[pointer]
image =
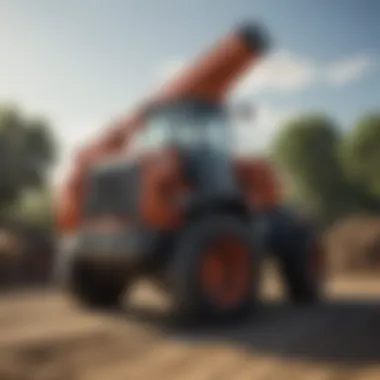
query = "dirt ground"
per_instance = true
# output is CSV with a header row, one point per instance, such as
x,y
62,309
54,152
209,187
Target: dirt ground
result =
x,y
45,337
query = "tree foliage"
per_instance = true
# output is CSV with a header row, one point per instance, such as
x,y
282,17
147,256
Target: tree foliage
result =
x,y
361,155
331,173
33,208
307,148
27,152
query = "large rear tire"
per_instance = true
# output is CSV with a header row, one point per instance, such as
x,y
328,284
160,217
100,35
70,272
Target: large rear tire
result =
x,y
214,270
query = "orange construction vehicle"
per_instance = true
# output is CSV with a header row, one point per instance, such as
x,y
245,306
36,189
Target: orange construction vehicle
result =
x,y
162,195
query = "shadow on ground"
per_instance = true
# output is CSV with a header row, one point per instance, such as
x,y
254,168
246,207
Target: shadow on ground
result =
x,y
338,332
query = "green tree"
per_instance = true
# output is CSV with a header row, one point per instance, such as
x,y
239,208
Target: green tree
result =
x,y
27,152
307,150
360,156
33,208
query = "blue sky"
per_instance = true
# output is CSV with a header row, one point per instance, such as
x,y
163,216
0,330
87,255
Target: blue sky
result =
x,y
84,62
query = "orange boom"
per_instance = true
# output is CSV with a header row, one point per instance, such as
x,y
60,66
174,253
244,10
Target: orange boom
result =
x,y
161,194
209,78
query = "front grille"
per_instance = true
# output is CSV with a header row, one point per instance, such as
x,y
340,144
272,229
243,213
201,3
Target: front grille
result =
x,y
106,194
112,190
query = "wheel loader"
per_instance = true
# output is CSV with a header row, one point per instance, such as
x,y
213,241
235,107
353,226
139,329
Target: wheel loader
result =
x,y
161,195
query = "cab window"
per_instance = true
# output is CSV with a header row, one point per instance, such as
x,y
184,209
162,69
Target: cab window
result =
x,y
156,134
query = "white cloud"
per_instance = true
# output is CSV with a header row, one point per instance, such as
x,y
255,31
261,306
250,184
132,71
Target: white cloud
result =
x,y
349,70
280,71
284,71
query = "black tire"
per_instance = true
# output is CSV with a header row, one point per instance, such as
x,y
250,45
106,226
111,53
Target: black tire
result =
x,y
302,276
92,287
191,302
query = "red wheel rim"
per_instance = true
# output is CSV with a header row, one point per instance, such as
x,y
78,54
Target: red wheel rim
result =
x,y
226,269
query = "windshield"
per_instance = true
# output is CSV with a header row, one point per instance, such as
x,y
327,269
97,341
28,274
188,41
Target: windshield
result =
x,y
188,127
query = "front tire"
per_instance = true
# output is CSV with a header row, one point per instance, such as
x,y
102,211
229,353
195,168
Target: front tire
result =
x,y
92,287
214,270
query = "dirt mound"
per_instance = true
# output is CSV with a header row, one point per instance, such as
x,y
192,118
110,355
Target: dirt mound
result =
x,y
353,246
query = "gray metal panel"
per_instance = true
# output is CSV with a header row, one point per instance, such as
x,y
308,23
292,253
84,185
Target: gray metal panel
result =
x,y
113,188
